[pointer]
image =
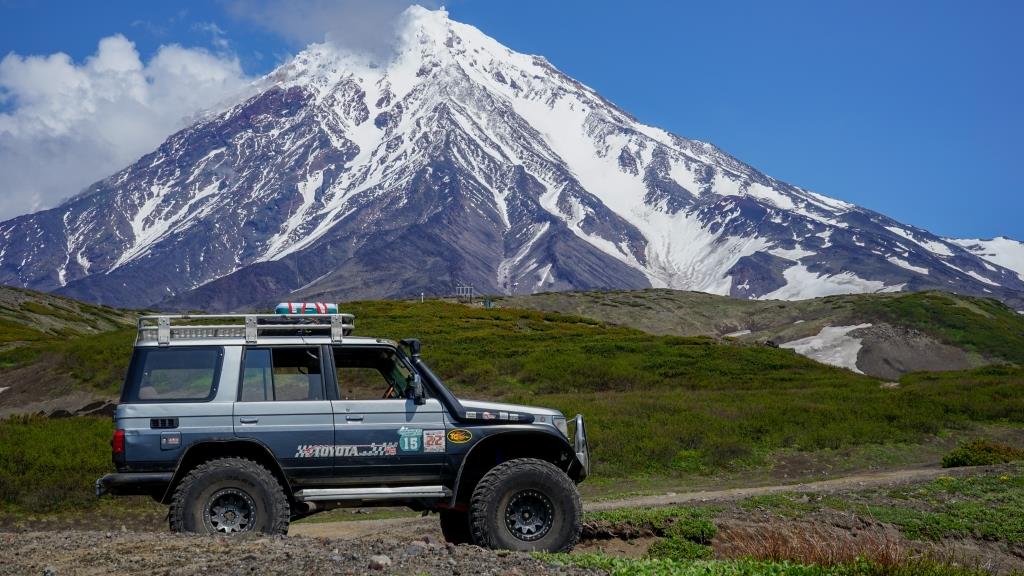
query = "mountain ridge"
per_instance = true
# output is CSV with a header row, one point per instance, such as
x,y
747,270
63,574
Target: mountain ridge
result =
x,y
459,161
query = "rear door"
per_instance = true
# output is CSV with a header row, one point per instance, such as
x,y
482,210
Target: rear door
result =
x,y
167,403
282,404
381,436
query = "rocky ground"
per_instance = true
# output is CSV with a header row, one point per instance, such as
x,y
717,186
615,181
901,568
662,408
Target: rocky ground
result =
x,y
153,553
819,522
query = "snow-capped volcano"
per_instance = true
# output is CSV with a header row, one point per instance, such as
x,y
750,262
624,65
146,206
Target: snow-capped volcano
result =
x,y
456,161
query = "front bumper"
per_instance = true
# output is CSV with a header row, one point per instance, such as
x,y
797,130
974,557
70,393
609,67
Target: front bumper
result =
x,y
581,446
133,483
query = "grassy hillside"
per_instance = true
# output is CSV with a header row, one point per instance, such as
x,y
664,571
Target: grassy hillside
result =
x,y
658,406
27,316
985,329
33,325
983,326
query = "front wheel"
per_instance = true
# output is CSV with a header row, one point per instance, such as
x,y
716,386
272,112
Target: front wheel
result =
x,y
228,496
526,504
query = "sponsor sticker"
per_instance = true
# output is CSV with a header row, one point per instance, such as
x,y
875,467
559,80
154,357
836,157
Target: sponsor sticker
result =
x,y
410,439
433,441
459,436
329,451
487,415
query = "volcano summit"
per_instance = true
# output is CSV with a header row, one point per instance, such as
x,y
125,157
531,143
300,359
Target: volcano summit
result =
x,y
458,160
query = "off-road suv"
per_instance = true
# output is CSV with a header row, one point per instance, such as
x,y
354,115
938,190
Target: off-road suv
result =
x,y
244,423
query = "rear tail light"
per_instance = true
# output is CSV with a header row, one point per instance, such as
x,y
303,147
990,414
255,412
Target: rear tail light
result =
x,y
117,442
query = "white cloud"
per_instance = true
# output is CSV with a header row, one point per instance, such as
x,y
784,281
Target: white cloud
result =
x,y
69,124
360,25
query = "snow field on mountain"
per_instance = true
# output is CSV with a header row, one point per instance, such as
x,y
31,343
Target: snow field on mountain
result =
x,y
833,345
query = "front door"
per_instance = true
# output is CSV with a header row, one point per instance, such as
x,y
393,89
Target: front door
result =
x,y
381,435
283,406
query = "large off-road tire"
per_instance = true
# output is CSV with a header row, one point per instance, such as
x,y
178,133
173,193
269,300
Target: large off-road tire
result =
x,y
526,504
455,527
227,496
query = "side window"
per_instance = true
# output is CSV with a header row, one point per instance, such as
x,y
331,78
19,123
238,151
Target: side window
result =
x,y
371,374
172,375
257,378
283,374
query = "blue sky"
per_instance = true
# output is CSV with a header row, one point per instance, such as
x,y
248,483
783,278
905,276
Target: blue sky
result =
x,y
911,108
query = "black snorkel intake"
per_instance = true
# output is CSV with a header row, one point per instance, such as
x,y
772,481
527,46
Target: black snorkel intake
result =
x,y
455,408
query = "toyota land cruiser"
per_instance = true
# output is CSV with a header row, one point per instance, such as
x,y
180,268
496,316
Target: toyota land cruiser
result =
x,y
246,422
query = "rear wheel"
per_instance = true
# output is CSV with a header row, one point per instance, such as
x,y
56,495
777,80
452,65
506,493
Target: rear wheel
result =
x,y
526,504
455,527
229,496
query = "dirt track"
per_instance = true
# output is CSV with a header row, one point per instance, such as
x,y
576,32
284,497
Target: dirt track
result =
x,y
410,545
428,525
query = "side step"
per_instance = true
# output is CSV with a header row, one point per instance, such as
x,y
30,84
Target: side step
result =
x,y
396,493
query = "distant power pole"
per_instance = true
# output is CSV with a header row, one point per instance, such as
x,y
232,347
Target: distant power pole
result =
x,y
464,293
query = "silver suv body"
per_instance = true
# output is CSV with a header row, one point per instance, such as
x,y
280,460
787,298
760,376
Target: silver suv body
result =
x,y
312,418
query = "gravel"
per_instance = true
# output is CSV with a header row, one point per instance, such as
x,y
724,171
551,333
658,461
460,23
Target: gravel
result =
x,y
153,553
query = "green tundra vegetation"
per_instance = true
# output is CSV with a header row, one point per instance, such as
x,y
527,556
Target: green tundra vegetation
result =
x,y
616,566
981,506
987,506
657,406
982,326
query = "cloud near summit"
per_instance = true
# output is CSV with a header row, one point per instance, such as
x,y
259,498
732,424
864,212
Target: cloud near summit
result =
x,y
367,26
65,125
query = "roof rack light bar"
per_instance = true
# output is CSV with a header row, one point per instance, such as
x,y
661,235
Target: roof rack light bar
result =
x,y
164,328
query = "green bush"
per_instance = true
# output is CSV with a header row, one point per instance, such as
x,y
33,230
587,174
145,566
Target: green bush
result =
x,y
981,453
699,530
49,465
678,549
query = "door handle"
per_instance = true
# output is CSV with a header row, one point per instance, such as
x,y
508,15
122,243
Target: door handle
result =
x,y
244,420
353,417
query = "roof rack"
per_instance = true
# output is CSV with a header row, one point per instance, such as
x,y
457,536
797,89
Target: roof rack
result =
x,y
165,328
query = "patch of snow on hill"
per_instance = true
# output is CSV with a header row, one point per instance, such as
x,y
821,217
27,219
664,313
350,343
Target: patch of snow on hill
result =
x,y
904,264
801,284
833,345
1000,251
930,245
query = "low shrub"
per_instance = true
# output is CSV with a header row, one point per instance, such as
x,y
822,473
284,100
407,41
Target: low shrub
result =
x,y
679,549
694,529
662,566
982,453
50,465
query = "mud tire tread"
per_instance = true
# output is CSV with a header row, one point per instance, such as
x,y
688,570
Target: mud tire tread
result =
x,y
487,490
281,509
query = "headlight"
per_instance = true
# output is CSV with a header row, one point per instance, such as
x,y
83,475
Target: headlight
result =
x,y
559,422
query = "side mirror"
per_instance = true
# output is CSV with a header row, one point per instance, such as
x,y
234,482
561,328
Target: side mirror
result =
x,y
413,345
418,397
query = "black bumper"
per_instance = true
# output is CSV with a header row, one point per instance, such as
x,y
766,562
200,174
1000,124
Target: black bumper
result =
x,y
133,483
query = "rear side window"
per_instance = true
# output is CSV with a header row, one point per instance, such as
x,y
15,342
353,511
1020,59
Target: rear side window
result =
x,y
173,375
282,374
